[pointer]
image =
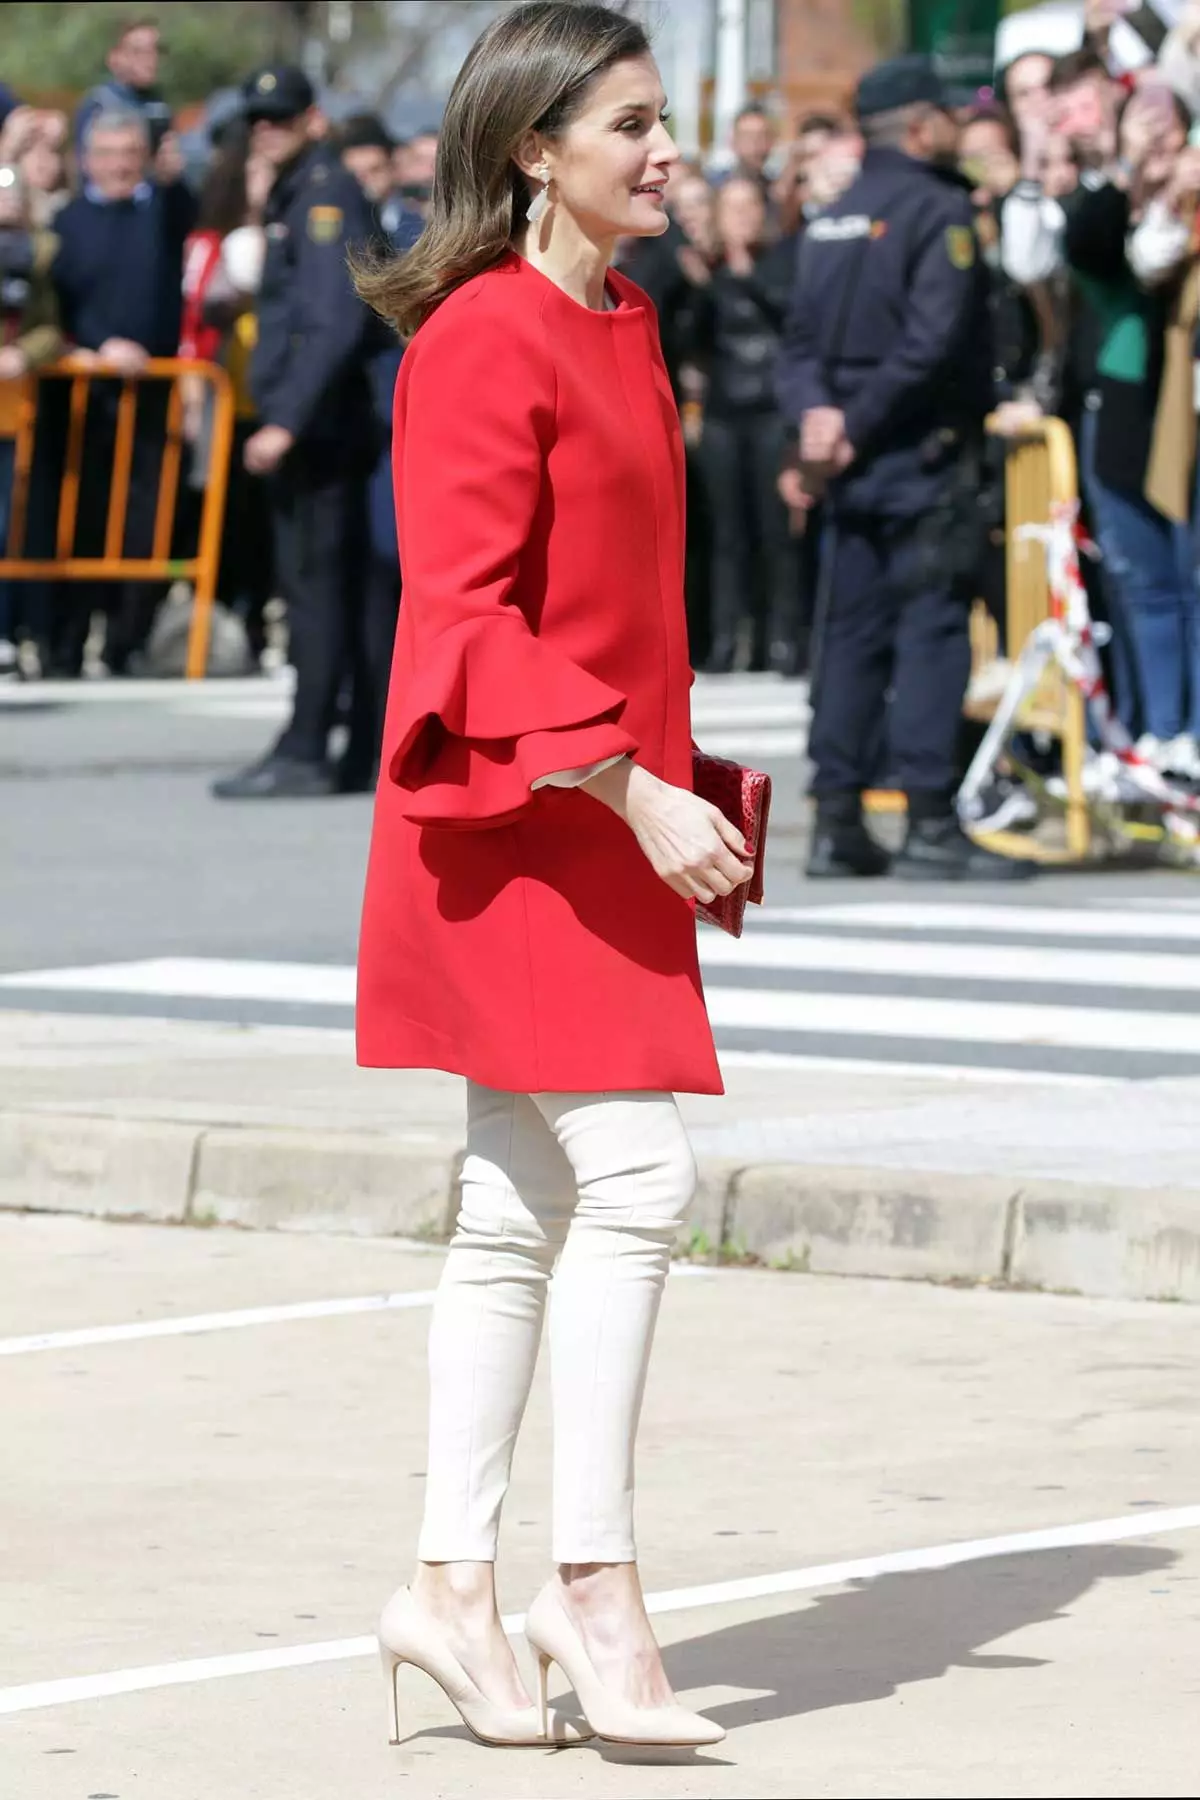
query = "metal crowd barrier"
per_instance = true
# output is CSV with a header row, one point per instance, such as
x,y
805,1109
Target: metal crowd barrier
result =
x,y
1039,471
114,565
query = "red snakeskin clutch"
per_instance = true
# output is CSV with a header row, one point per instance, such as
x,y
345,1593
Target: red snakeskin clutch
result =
x,y
744,796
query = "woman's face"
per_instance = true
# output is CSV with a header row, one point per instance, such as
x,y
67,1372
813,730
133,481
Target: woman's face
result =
x,y
42,166
741,215
986,159
610,166
694,211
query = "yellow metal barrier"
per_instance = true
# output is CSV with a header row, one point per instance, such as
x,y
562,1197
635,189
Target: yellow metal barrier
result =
x,y
202,569
1039,473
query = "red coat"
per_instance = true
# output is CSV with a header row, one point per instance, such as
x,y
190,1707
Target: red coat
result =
x,y
519,936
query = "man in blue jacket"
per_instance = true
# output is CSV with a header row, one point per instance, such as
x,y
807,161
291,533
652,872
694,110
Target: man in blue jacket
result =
x,y
119,277
132,84
886,369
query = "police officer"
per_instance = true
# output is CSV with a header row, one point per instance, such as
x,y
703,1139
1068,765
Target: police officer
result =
x,y
886,368
317,440
368,151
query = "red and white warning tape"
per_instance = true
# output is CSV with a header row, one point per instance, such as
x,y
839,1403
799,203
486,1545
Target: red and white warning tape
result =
x,y
1070,638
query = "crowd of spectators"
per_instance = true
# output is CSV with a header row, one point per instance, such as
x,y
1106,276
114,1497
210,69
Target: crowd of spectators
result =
x,y
116,249
1085,180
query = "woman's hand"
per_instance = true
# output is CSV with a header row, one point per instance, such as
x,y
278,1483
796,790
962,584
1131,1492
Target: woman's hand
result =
x,y
689,843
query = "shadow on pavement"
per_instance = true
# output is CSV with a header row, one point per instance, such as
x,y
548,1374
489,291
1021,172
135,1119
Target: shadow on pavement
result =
x,y
866,1641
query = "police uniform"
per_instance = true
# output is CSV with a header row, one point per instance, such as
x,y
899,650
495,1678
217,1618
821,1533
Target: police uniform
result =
x,y
309,374
889,325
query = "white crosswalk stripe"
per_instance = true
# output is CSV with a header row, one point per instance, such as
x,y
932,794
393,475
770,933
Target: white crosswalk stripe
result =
x,y
750,716
950,989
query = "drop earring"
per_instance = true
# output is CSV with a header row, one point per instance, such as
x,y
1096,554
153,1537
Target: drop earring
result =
x,y
539,206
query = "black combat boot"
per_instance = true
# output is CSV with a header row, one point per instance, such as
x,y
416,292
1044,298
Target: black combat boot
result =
x,y
842,847
722,655
937,848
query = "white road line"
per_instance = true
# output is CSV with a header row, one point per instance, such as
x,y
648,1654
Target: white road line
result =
x,y
221,1321
146,693
739,1008
956,1021
1042,965
860,1065
201,978
267,707
1016,921
750,742
66,1690
240,1320
717,710
318,984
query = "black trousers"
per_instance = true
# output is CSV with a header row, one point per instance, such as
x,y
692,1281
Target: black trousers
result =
x,y
247,551
319,515
697,575
373,665
889,626
755,556
129,606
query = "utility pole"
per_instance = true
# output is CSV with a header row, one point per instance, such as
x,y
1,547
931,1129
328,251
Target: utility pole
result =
x,y
683,48
730,92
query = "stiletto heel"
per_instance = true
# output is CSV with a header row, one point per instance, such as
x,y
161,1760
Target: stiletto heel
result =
x,y
391,1662
553,1637
543,1663
407,1635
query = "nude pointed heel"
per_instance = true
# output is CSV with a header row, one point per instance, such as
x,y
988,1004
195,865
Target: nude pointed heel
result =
x,y
407,1635
543,1668
391,1662
553,1638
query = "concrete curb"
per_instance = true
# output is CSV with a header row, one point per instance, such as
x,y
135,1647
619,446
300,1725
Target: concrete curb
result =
x,y
1132,1243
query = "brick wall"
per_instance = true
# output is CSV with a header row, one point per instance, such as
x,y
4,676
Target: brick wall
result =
x,y
822,52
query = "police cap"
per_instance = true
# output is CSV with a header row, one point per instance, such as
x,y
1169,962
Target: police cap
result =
x,y
278,92
901,81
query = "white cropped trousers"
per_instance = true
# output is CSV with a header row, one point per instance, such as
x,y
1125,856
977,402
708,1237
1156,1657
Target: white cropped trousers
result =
x,y
600,1182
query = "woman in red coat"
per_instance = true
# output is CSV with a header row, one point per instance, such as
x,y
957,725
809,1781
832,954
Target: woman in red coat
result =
x,y
537,848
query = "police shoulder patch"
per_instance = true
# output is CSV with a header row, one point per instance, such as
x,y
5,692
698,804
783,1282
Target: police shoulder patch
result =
x,y
324,224
960,246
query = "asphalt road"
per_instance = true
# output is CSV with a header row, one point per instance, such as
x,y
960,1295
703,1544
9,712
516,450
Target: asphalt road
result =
x,y
904,1540
116,855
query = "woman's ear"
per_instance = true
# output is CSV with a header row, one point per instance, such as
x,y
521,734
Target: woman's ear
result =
x,y
529,154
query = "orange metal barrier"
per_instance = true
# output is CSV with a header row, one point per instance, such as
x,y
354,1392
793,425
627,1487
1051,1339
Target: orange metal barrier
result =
x,y
202,569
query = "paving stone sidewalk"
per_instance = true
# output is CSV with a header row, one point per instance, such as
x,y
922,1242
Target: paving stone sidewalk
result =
x,y
1090,1186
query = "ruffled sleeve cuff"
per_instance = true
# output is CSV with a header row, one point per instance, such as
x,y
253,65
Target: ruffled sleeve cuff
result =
x,y
490,711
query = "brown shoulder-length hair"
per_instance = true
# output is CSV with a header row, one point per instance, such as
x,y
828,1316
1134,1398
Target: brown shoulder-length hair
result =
x,y
530,70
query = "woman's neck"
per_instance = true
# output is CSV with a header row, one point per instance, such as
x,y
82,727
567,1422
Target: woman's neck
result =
x,y
575,263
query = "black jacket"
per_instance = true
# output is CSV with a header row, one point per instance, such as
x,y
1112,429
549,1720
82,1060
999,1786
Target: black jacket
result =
x,y
738,327
889,323
119,268
315,336
654,264
1097,223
